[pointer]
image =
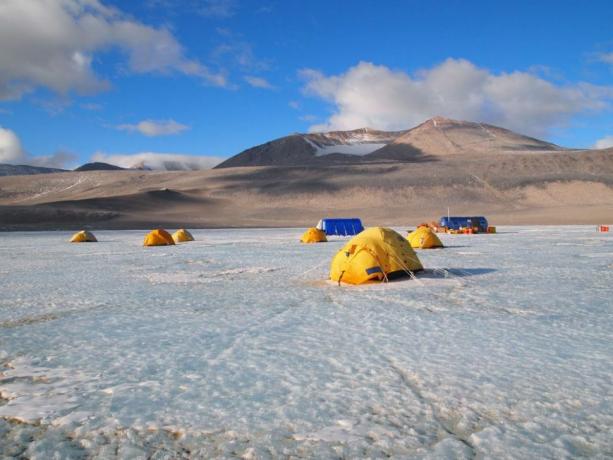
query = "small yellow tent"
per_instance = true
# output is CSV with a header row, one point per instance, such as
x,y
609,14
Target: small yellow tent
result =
x,y
424,238
158,237
182,236
314,235
376,254
83,237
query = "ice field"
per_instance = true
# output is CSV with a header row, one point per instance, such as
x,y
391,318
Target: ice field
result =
x,y
236,346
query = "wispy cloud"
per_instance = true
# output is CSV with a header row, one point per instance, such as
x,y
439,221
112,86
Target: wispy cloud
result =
x,y
376,96
159,161
308,117
219,8
239,53
258,82
154,128
91,106
607,58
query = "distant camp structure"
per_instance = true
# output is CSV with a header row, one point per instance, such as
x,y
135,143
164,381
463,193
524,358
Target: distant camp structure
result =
x,y
182,236
341,226
376,254
158,237
476,224
83,237
424,238
313,235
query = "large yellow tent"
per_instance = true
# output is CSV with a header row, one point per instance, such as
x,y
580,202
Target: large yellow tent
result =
x,y
83,237
424,238
376,254
314,235
158,237
182,236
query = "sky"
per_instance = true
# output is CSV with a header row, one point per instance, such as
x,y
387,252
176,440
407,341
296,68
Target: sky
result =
x,y
200,80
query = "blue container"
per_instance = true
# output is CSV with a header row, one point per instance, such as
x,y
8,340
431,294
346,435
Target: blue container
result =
x,y
455,223
342,227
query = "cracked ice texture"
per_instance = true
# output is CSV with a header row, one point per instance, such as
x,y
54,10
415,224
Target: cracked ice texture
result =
x,y
235,345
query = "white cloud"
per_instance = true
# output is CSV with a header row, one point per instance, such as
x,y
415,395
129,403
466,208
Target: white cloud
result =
x,y
12,152
92,106
159,161
606,57
604,143
258,82
294,105
153,128
308,117
379,97
53,43
10,147
219,8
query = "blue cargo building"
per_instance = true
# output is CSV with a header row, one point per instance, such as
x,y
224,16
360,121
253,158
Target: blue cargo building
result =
x,y
455,223
341,227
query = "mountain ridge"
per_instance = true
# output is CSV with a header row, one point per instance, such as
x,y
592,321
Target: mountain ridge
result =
x,y
436,137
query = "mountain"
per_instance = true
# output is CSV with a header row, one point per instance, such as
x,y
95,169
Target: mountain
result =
x,y
434,138
441,136
25,170
99,166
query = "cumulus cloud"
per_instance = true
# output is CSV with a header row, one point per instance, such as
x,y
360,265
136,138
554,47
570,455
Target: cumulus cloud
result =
x,y
12,152
159,161
154,128
604,143
53,43
258,82
10,147
379,97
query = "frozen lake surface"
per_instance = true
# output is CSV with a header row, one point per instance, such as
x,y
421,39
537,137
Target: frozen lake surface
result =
x,y
236,346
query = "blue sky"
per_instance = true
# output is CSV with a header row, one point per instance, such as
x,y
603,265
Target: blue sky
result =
x,y
109,79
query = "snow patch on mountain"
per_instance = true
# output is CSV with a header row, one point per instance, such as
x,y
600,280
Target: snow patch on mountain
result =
x,y
357,142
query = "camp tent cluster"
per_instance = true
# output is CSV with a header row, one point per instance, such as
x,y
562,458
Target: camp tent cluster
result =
x,y
160,237
374,254
157,237
379,253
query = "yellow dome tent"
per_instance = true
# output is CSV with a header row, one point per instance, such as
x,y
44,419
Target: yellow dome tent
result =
x,y
158,237
83,237
424,238
376,254
314,235
182,236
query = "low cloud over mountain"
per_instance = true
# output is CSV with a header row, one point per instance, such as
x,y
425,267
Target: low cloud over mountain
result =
x,y
159,161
